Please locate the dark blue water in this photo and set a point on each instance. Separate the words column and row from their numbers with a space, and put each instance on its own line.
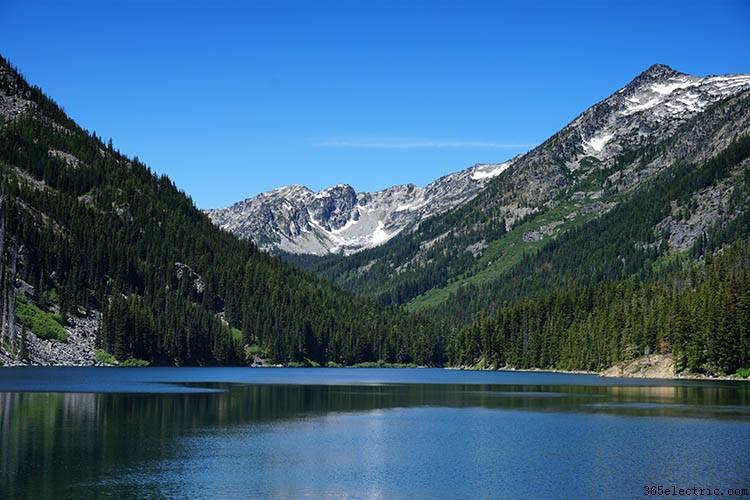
column 364, row 433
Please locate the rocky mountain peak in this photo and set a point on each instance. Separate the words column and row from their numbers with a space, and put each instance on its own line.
column 655, row 73
column 340, row 220
column 656, row 101
column 333, row 207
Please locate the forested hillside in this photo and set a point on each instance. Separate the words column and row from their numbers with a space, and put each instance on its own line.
column 85, row 228
column 700, row 315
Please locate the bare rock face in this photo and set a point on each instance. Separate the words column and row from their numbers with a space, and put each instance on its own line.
column 332, row 208
column 649, row 366
column 183, row 271
column 340, row 220
column 13, row 99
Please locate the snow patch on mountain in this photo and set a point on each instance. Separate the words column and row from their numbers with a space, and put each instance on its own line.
column 683, row 93
column 598, row 143
column 380, row 236
column 339, row 220
column 484, row 171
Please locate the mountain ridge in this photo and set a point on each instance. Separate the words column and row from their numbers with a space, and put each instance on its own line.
column 626, row 232
column 658, row 99
column 295, row 219
column 554, row 187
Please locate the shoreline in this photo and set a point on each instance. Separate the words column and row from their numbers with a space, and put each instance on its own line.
column 617, row 371
column 651, row 367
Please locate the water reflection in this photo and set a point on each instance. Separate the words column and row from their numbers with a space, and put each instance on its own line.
column 83, row 445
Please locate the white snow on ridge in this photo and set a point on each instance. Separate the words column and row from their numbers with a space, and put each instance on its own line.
column 479, row 175
column 684, row 93
column 728, row 82
column 668, row 88
column 346, row 226
column 410, row 206
column 634, row 108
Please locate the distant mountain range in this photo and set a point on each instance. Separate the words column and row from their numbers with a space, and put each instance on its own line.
column 591, row 170
column 339, row 220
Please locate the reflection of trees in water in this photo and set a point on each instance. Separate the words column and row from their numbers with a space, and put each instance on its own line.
column 53, row 439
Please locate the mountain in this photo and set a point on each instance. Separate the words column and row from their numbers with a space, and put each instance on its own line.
column 625, row 233
column 661, row 120
column 296, row 220
column 103, row 261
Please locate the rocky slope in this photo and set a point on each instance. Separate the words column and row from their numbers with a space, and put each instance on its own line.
column 649, row 366
column 295, row 219
column 621, row 141
column 77, row 350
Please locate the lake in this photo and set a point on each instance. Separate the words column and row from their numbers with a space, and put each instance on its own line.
column 365, row 433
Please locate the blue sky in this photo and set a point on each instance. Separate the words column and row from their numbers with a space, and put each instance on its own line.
column 234, row 98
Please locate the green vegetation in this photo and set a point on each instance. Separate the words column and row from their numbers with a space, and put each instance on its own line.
column 743, row 373
column 134, row 363
column 568, row 287
column 253, row 351
column 103, row 356
column 503, row 254
column 44, row 325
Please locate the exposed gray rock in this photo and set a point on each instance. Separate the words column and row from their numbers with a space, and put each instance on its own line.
column 688, row 222
column 541, row 232
column 604, row 150
column 476, row 249
column 14, row 99
column 340, row 220
column 77, row 350
column 69, row 159
column 183, row 271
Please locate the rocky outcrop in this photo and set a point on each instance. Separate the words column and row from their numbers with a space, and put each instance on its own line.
column 652, row 366
column 14, row 95
column 77, row 350
column 183, row 271
column 295, row 219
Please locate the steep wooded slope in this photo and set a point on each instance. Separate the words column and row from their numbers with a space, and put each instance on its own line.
column 84, row 229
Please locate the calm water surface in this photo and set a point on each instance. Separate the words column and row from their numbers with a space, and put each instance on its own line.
column 363, row 433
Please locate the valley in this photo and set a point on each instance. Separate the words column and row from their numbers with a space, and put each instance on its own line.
column 642, row 199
